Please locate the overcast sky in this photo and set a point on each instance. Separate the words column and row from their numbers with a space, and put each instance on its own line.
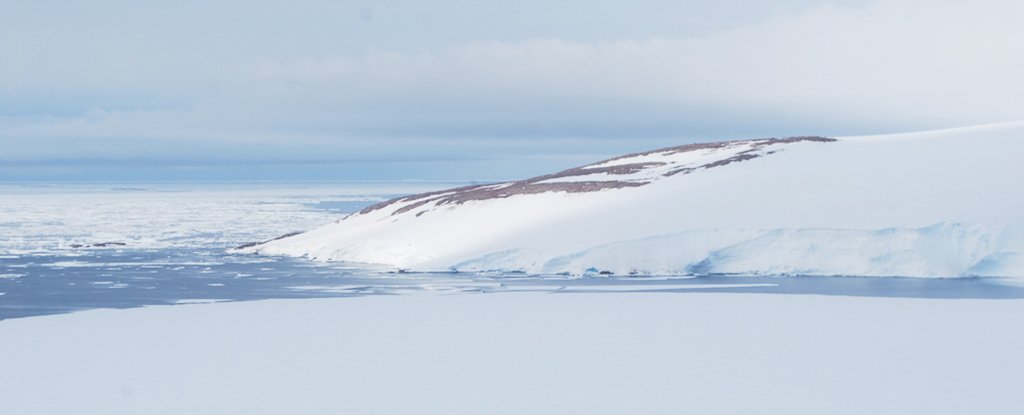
column 453, row 89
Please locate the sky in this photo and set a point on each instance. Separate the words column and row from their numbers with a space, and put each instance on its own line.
column 123, row 90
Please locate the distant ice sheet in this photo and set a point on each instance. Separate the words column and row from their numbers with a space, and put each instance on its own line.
column 42, row 218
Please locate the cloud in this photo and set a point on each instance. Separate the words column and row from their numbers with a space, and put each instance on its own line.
column 893, row 63
column 887, row 65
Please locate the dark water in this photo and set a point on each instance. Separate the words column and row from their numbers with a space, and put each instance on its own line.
column 51, row 283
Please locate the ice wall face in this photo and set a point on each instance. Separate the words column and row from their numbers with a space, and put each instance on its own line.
column 931, row 204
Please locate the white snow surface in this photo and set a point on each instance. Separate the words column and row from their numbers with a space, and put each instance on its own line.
column 523, row 353
column 929, row 204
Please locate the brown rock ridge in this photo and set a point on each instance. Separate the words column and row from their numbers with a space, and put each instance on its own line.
column 536, row 184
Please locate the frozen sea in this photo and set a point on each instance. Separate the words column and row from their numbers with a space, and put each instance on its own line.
column 69, row 247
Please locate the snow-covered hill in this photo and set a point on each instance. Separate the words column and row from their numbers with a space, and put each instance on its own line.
column 932, row 204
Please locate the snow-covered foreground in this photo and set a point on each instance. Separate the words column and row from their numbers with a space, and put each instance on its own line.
column 523, row 353
column 930, row 204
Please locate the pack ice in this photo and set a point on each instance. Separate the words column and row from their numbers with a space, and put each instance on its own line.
column 945, row 203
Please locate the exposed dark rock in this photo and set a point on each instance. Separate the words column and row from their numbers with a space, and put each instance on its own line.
column 98, row 245
column 750, row 154
column 252, row 244
column 537, row 184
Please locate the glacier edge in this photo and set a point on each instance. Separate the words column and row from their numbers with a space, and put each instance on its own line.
column 943, row 250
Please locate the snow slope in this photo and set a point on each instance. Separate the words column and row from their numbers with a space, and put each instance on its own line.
column 930, row 204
